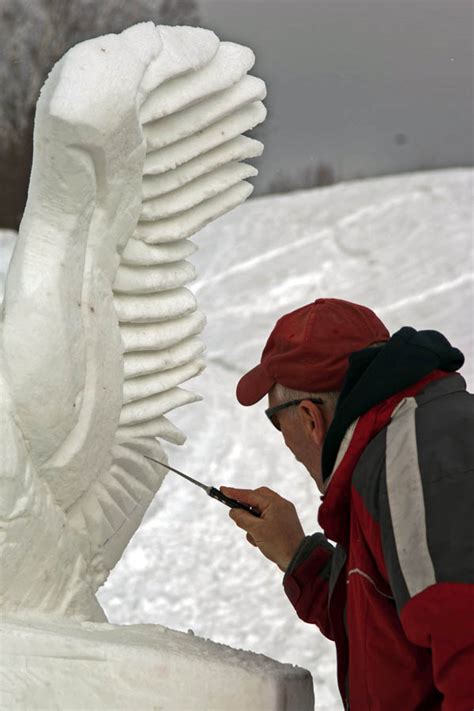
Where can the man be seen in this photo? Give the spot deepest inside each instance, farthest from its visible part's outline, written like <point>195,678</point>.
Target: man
<point>385,427</point>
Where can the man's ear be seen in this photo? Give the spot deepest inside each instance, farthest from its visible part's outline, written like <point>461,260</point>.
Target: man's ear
<point>314,421</point>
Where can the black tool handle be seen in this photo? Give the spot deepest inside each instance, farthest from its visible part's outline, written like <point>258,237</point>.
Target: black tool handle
<point>232,503</point>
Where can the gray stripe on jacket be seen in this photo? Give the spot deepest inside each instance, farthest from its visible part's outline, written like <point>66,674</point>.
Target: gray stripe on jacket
<point>406,501</point>
<point>444,428</point>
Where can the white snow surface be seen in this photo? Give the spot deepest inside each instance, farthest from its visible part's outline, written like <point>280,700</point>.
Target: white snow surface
<point>84,405</point>
<point>400,245</point>
<point>58,663</point>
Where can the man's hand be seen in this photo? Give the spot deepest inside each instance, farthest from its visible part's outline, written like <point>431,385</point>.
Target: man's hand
<point>278,532</point>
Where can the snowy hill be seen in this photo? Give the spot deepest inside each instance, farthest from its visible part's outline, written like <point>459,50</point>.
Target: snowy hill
<point>401,245</point>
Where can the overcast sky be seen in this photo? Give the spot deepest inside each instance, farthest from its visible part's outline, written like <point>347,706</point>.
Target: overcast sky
<point>369,86</point>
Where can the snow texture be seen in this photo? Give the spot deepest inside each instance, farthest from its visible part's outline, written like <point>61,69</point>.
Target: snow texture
<point>73,667</point>
<point>401,245</point>
<point>95,347</point>
<point>78,422</point>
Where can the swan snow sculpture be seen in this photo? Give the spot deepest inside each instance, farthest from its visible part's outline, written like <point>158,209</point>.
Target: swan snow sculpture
<point>138,144</point>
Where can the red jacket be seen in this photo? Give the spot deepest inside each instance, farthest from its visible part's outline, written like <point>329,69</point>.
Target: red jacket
<point>396,594</point>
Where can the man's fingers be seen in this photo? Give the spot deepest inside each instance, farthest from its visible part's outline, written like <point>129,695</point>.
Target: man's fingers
<point>243,519</point>
<point>259,498</point>
<point>277,533</point>
<point>251,540</point>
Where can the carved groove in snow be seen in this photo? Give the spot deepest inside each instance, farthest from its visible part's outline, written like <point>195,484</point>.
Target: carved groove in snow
<point>137,146</point>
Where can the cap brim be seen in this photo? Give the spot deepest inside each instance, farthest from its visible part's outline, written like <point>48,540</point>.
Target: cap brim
<point>254,385</point>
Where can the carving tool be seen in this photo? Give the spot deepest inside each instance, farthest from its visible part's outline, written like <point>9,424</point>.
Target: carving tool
<point>211,491</point>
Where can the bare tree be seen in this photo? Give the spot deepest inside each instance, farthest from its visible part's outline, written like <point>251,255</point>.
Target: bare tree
<point>179,12</point>
<point>33,36</point>
<point>310,176</point>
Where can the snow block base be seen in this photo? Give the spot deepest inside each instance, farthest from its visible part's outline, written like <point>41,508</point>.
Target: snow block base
<point>75,666</point>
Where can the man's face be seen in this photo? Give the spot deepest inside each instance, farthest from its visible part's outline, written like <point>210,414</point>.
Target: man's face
<point>300,437</point>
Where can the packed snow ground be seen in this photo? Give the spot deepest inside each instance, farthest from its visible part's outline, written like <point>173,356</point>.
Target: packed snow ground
<point>401,245</point>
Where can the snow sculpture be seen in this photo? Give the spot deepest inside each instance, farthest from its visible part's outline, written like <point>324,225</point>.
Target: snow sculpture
<point>137,145</point>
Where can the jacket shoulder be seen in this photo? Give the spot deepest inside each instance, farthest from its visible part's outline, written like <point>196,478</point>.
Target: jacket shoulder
<point>437,426</point>
<point>444,429</point>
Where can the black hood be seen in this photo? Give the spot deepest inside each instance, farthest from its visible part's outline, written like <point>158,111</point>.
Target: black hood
<point>376,374</point>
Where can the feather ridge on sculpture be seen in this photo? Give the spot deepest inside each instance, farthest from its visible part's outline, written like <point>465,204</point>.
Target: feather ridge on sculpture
<point>98,328</point>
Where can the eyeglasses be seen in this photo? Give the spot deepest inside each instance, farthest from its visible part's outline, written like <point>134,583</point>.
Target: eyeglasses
<point>272,411</point>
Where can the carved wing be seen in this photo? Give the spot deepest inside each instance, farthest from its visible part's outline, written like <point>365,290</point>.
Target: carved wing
<point>138,144</point>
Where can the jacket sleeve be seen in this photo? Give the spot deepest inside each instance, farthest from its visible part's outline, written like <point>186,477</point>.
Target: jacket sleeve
<point>306,582</point>
<point>426,505</point>
<point>442,619</point>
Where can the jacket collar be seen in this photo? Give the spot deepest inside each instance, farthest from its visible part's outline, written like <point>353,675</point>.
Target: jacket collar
<point>334,512</point>
<point>380,373</point>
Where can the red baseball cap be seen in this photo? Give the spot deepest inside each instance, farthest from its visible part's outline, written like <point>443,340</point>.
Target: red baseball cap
<point>309,348</point>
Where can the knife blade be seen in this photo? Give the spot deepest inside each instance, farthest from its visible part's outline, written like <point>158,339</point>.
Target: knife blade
<point>211,490</point>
